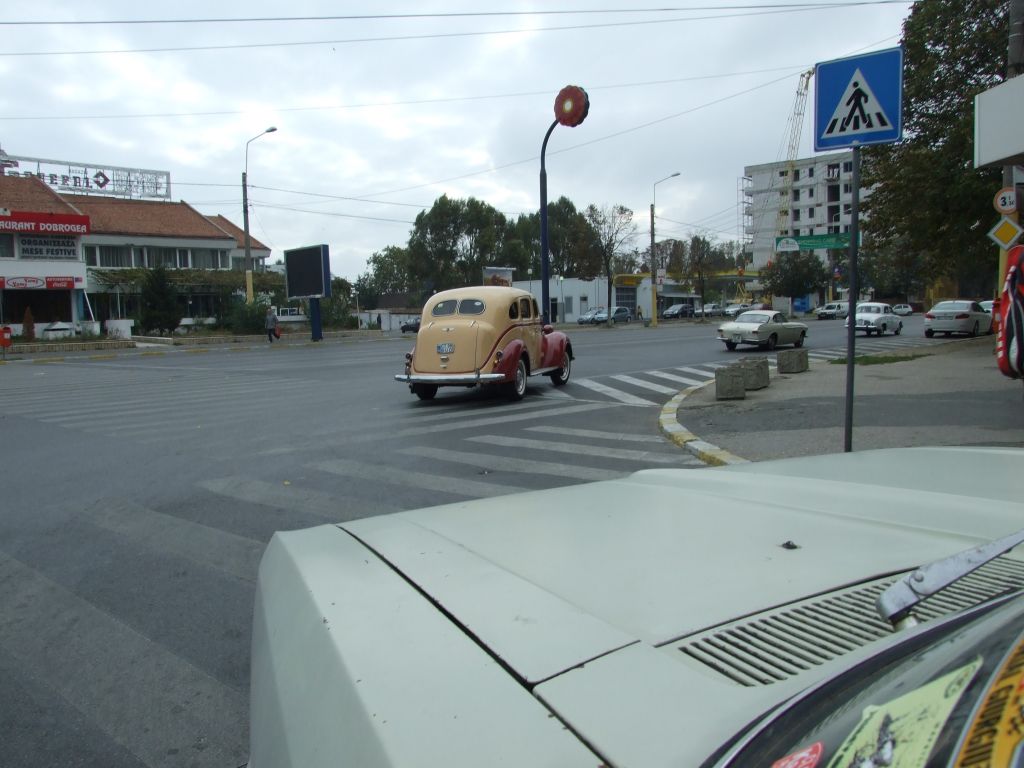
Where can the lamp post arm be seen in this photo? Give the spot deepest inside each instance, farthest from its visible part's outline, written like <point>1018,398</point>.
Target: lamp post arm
<point>545,266</point>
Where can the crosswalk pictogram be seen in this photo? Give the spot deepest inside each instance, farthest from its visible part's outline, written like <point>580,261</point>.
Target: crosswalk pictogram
<point>858,111</point>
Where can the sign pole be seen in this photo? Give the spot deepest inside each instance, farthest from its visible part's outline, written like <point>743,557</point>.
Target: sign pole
<point>851,315</point>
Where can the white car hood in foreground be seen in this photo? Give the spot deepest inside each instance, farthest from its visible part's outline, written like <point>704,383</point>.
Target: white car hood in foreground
<point>490,632</point>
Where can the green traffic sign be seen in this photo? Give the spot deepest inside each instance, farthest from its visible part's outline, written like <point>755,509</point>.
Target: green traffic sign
<point>813,242</point>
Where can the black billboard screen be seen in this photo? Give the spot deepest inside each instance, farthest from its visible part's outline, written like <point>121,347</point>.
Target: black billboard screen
<point>307,272</point>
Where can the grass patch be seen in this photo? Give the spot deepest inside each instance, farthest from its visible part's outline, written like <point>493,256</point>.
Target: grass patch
<point>876,359</point>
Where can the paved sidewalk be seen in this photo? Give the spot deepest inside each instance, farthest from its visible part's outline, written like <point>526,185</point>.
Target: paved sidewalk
<point>952,394</point>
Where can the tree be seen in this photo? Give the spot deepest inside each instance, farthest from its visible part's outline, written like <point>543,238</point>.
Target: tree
<point>699,265</point>
<point>927,199</point>
<point>794,273</point>
<point>614,232</point>
<point>159,299</point>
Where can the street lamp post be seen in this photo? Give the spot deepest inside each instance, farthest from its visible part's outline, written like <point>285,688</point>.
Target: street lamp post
<point>245,217</point>
<point>654,261</point>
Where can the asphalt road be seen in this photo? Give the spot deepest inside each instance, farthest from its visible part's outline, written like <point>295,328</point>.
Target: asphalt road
<point>139,491</point>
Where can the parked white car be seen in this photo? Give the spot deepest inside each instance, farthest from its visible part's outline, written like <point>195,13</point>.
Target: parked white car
<point>961,316</point>
<point>903,309</point>
<point>709,310</point>
<point>876,317</point>
<point>832,310</point>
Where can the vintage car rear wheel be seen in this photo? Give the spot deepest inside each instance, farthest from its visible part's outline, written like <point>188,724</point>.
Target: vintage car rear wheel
<point>731,346</point>
<point>561,376</point>
<point>799,342</point>
<point>424,391</point>
<point>517,387</point>
<point>772,341</point>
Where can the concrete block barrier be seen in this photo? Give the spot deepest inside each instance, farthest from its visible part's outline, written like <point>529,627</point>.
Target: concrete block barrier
<point>793,361</point>
<point>755,372</point>
<point>730,383</point>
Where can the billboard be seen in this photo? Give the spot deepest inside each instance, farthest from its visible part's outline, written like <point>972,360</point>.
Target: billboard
<point>307,272</point>
<point>91,178</point>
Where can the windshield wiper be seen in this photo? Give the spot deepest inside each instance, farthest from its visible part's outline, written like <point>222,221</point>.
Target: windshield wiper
<point>898,600</point>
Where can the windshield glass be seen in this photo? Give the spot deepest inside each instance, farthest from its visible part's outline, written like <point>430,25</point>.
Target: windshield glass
<point>946,697</point>
<point>753,317</point>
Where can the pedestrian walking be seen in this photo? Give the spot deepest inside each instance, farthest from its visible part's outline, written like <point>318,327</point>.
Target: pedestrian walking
<point>270,323</point>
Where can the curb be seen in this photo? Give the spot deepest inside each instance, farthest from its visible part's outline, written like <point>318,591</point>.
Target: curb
<point>670,427</point>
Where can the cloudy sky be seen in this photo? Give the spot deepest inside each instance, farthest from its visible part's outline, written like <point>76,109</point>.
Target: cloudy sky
<point>381,108</point>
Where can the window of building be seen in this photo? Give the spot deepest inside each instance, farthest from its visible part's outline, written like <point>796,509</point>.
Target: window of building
<point>225,259</point>
<point>115,256</point>
<point>832,171</point>
<point>183,258</point>
<point>568,305</point>
<point>783,173</point>
<point>796,174</point>
<point>796,194</point>
<point>796,214</point>
<point>848,166</point>
<point>810,172</point>
<point>810,191</point>
<point>205,258</point>
<point>810,213</point>
<point>6,246</point>
<point>90,255</point>
<point>833,193</point>
<point>161,257</point>
<point>139,257</point>
<point>847,188</point>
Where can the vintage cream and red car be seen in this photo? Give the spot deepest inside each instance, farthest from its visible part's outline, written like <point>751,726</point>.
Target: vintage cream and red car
<point>484,335</point>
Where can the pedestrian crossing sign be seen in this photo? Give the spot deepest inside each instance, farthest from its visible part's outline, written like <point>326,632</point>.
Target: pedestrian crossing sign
<point>858,100</point>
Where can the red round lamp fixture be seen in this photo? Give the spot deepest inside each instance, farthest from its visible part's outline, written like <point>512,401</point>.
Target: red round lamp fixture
<point>571,106</point>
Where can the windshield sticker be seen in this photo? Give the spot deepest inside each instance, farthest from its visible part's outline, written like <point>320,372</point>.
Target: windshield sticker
<point>903,731</point>
<point>806,758</point>
<point>996,734</point>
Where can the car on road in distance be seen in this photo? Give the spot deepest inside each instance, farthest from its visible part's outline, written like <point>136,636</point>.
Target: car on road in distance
<point>587,318</point>
<point>411,325</point>
<point>876,317</point>
<point>709,310</point>
<point>618,315</point>
<point>832,310</point>
<point>572,626</point>
<point>766,329</point>
<point>957,316</point>
<point>734,309</point>
<point>677,311</point>
<point>903,309</point>
<point>484,335</point>
<point>987,305</point>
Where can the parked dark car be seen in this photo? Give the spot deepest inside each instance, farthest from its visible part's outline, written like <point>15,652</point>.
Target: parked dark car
<point>677,311</point>
<point>411,325</point>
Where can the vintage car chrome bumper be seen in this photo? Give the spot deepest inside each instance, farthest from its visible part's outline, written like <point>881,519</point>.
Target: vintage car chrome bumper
<point>451,379</point>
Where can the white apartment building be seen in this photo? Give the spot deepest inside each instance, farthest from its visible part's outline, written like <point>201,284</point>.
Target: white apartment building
<point>808,196</point>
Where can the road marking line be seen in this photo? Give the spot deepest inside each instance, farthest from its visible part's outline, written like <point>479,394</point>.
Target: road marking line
<point>454,485</point>
<point>677,379</point>
<point>596,434</point>
<point>632,380</point>
<point>615,394</point>
<point>508,464</point>
<point>578,449</point>
<point>695,371</point>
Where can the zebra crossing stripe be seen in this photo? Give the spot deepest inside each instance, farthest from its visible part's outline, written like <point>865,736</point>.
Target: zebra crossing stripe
<point>678,379</point>
<point>622,454</point>
<point>695,371</point>
<point>457,486</point>
<point>508,464</point>
<point>633,381</point>
<point>594,434</point>
<point>615,394</point>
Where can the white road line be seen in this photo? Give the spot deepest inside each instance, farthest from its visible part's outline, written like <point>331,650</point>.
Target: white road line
<point>234,555</point>
<point>507,464</point>
<point>678,379</point>
<point>695,371</point>
<point>598,435</point>
<point>635,382</point>
<point>394,476</point>
<point>615,394</point>
<point>586,450</point>
<point>287,497</point>
<point>104,668</point>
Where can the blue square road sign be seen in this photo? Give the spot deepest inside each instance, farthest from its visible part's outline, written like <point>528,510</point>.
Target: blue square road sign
<point>858,100</point>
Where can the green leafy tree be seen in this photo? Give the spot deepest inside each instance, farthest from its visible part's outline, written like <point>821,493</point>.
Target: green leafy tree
<point>614,232</point>
<point>700,264</point>
<point>795,273</point>
<point>927,199</point>
<point>336,311</point>
<point>159,301</point>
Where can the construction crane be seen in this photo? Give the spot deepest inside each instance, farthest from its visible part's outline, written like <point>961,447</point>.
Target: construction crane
<point>794,129</point>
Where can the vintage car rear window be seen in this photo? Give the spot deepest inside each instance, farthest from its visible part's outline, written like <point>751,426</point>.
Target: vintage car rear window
<point>950,697</point>
<point>471,307</point>
<point>446,307</point>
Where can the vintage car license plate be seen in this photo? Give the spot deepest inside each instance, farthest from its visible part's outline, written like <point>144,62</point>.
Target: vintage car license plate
<point>446,348</point>
<point>737,337</point>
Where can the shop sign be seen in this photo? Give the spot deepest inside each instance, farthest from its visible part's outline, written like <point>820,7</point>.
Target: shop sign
<point>34,283</point>
<point>38,223</point>
<point>68,176</point>
<point>48,247</point>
